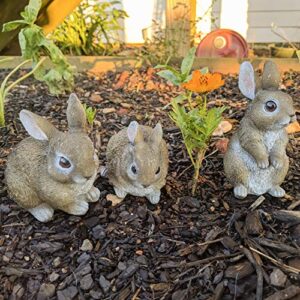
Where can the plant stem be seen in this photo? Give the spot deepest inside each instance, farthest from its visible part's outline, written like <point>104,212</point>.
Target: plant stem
<point>4,90</point>
<point>189,97</point>
<point>25,76</point>
<point>198,163</point>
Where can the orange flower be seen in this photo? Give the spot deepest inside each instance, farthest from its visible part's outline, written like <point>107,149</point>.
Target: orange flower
<point>203,83</point>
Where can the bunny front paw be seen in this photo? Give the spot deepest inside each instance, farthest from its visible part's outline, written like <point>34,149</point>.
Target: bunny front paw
<point>42,212</point>
<point>120,192</point>
<point>277,192</point>
<point>93,194</point>
<point>263,163</point>
<point>240,192</point>
<point>154,197</point>
<point>76,208</point>
<point>276,162</point>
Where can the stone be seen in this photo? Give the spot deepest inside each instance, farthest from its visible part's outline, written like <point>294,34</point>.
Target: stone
<point>99,232</point>
<point>47,290</point>
<point>278,278</point>
<point>104,284</point>
<point>67,294</point>
<point>53,277</point>
<point>86,245</point>
<point>86,282</point>
<point>56,262</point>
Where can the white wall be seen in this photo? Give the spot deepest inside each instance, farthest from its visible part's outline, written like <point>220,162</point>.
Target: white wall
<point>251,18</point>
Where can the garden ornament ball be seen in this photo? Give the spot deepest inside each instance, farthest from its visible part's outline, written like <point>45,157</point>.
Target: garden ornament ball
<point>256,160</point>
<point>52,169</point>
<point>137,161</point>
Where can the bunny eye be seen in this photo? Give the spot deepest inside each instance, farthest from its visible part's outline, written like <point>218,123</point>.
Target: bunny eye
<point>270,106</point>
<point>133,169</point>
<point>64,163</point>
<point>157,171</point>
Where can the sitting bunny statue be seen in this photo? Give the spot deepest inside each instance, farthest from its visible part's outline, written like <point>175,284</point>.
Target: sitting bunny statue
<point>256,160</point>
<point>137,159</point>
<point>52,169</point>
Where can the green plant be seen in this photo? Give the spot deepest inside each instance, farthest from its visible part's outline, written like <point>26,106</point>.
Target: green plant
<point>90,114</point>
<point>192,116</point>
<point>35,48</point>
<point>92,29</point>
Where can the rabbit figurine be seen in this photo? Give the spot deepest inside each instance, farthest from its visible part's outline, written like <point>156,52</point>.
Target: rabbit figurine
<point>256,160</point>
<point>137,161</point>
<point>52,169</point>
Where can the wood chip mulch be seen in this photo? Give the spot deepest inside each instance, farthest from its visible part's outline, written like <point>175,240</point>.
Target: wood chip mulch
<point>211,246</point>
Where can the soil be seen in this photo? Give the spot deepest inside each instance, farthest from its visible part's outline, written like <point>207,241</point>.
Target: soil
<point>211,246</point>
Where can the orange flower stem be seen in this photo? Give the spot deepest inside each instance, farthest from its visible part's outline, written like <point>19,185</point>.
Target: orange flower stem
<point>189,97</point>
<point>198,163</point>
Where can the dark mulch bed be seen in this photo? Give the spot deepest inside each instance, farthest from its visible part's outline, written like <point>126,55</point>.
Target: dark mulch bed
<point>183,248</point>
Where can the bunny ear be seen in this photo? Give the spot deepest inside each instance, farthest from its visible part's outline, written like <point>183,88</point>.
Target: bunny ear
<point>76,115</point>
<point>247,80</point>
<point>134,133</point>
<point>271,76</point>
<point>157,134</point>
<point>38,127</point>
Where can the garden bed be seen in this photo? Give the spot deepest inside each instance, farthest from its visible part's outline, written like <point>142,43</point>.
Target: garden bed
<point>183,248</point>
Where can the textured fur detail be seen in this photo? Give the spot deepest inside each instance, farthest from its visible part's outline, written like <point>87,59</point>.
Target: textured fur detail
<point>148,154</point>
<point>256,160</point>
<point>34,179</point>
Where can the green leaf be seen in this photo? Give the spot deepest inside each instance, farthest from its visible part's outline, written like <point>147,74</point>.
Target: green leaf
<point>187,62</point>
<point>9,26</point>
<point>30,39</point>
<point>31,11</point>
<point>169,75</point>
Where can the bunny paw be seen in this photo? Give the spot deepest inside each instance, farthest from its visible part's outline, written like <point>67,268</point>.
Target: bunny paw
<point>277,192</point>
<point>42,212</point>
<point>276,163</point>
<point>263,164</point>
<point>77,208</point>
<point>93,194</point>
<point>120,193</point>
<point>154,197</point>
<point>240,192</point>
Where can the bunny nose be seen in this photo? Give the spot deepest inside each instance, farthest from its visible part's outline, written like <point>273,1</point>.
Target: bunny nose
<point>145,186</point>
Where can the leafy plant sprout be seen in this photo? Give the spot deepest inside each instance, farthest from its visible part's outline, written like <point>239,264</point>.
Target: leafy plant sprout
<point>90,114</point>
<point>195,121</point>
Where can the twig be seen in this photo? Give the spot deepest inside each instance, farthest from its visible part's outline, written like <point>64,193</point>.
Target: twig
<point>288,293</point>
<point>278,245</point>
<point>134,297</point>
<point>294,205</point>
<point>257,202</point>
<point>13,225</point>
<point>207,260</point>
<point>277,263</point>
<point>287,216</point>
<point>260,280</point>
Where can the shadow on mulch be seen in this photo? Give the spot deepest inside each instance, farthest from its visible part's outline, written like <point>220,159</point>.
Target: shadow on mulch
<point>212,246</point>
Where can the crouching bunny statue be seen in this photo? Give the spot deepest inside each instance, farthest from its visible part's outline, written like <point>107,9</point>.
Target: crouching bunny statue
<point>52,169</point>
<point>256,160</point>
<point>137,161</point>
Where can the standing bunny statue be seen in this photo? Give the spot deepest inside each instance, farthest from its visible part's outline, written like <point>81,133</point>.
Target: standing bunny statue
<point>137,161</point>
<point>256,160</point>
<point>52,169</point>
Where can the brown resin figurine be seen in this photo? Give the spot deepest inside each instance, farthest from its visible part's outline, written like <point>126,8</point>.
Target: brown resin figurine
<point>52,169</point>
<point>137,159</point>
<point>256,160</point>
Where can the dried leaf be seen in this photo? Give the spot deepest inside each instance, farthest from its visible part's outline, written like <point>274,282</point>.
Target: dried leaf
<point>223,127</point>
<point>293,128</point>
<point>222,145</point>
<point>114,199</point>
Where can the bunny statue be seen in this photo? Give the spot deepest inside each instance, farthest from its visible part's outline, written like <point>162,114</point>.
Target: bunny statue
<point>51,169</point>
<point>256,160</point>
